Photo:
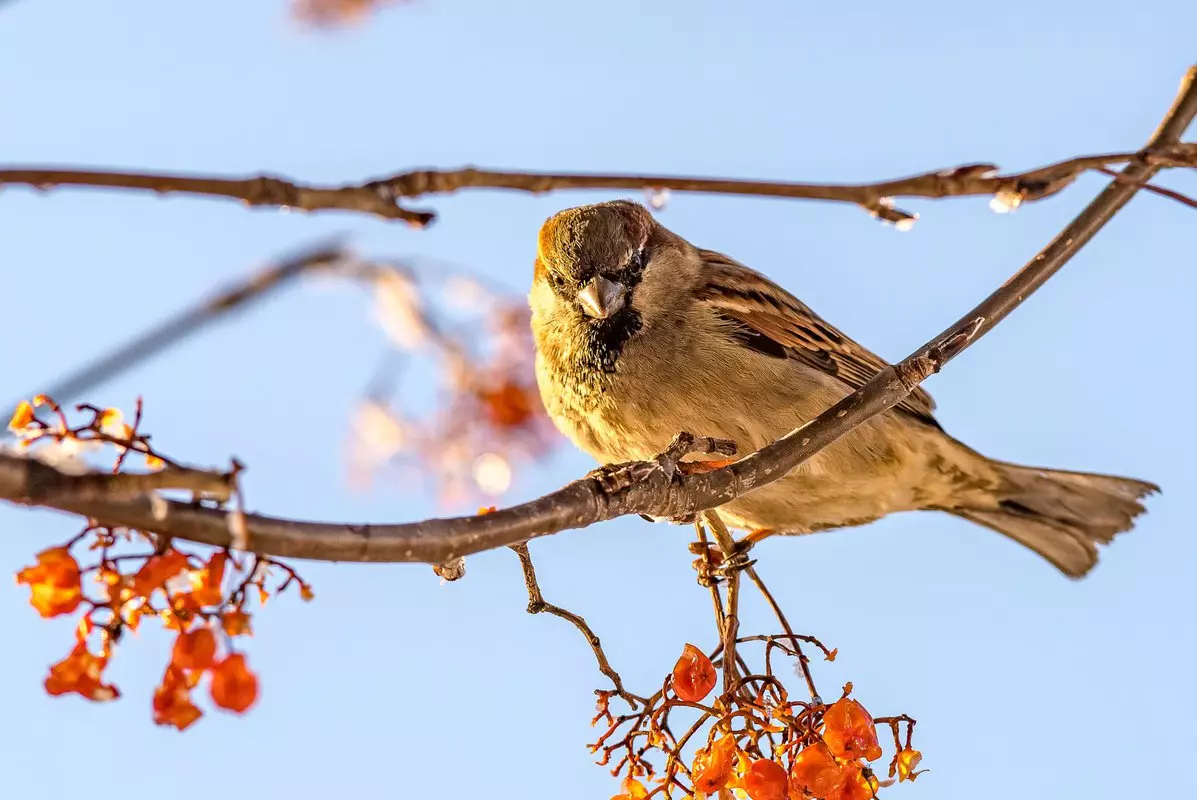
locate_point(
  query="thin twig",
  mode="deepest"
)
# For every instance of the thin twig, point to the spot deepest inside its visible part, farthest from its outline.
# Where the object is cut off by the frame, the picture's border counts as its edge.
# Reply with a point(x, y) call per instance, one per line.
point(785, 624)
point(731, 608)
point(776, 641)
point(1184, 199)
point(585, 502)
point(731, 627)
point(537, 604)
point(380, 197)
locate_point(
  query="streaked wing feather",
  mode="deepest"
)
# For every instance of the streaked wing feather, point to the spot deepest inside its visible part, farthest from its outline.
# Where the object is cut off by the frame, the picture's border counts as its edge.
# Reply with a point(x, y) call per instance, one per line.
point(764, 309)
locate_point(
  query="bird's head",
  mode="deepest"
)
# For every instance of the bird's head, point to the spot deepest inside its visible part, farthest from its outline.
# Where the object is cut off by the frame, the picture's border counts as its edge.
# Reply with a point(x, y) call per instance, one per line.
point(609, 269)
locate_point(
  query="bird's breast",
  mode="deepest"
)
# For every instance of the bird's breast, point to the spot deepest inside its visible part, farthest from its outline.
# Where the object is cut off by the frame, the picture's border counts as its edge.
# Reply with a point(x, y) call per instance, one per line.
point(580, 361)
point(620, 396)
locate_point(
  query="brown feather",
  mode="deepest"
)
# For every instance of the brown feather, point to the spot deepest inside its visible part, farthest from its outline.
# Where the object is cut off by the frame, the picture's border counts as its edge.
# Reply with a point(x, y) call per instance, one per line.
point(738, 292)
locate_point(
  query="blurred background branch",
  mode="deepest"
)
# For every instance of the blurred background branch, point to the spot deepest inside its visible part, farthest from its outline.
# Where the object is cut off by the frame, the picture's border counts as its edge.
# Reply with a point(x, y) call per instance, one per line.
point(488, 417)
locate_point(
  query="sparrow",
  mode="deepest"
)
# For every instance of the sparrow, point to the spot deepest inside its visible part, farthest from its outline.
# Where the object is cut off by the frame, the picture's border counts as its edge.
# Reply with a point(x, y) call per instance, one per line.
point(641, 335)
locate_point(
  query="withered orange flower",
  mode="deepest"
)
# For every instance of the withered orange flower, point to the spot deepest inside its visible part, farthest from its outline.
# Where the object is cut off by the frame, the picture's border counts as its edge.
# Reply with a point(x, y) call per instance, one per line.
point(81, 672)
point(233, 686)
point(182, 611)
point(132, 616)
point(211, 578)
point(194, 650)
point(84, 628)
point(905, 762)
point(112, 423)
point(816, 771)
point(849, 731)
point(54, 583)
point(157, 570)
point(713, 766)
point(172, 699)
point(236, 623)
point(118, 588)
point(693, 675)
point(631, 789)
point(855, 783)
point(766, 780)
point(21, 417)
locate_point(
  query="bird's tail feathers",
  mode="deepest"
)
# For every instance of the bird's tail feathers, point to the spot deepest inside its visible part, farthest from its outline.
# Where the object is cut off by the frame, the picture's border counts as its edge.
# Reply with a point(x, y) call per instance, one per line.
point(1063, 516)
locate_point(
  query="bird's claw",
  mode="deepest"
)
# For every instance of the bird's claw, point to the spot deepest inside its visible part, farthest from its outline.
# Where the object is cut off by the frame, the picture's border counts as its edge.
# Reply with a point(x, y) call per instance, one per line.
point(617, 477)
point(737, 562)
point(614, 478)
point(713, 567)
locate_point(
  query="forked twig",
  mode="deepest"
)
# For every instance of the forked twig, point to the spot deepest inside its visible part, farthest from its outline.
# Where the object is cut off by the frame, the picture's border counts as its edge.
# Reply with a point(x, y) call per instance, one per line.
point(537, 604)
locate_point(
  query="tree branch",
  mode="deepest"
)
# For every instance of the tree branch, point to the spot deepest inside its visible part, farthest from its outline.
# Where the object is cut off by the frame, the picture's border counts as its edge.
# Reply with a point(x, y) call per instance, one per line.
point(381, 197)
point(585, 502)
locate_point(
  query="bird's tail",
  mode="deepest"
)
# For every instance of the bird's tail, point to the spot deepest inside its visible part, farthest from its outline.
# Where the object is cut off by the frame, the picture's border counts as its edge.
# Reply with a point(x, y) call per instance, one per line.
point(1060, 515)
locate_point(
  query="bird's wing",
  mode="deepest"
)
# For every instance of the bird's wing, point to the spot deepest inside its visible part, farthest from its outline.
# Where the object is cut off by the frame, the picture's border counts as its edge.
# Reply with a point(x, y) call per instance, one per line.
point(772, 321)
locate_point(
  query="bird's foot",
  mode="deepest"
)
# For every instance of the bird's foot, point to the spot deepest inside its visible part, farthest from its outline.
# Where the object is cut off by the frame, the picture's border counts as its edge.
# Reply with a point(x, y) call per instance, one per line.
point(713, 566)
point(615, 478)
point(737, 561)
point(704, 566)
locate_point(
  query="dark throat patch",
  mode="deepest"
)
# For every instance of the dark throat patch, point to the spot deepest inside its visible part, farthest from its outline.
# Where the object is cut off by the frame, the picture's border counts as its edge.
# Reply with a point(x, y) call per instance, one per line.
point(606, 338)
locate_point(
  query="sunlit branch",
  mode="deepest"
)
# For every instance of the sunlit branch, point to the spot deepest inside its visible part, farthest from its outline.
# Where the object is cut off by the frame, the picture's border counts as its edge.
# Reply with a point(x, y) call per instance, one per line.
point(660, 493)
point(383, 197)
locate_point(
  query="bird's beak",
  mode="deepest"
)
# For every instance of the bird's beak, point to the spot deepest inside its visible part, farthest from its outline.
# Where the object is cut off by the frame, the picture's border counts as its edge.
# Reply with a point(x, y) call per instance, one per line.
point(601, 298)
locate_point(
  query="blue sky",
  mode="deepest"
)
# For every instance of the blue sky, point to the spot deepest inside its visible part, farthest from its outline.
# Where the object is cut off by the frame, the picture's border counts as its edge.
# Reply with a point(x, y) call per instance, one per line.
point(1021, 680)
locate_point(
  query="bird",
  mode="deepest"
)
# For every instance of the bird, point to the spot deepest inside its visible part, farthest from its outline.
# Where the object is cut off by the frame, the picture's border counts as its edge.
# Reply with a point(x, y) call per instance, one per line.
point(640, 335)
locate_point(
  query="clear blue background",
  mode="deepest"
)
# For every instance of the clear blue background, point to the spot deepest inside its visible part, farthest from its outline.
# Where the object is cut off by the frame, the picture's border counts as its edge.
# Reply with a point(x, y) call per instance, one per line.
point(1023, 682)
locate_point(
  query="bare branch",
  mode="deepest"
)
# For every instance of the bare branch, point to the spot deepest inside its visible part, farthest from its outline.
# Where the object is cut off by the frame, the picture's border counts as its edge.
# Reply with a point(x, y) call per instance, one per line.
point(49, 486)
point(537, 605)
point(264, 190)
point(381, 197)
point(585, 502)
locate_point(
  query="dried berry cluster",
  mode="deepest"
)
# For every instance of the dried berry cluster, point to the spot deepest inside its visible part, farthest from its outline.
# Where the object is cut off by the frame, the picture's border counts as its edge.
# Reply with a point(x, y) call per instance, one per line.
point(758, 742)
point(205, 601)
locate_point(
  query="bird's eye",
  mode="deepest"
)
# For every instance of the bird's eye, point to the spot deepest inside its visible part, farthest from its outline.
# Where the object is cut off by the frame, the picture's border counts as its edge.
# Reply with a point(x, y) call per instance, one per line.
point(636, 264)
point(556, 281)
